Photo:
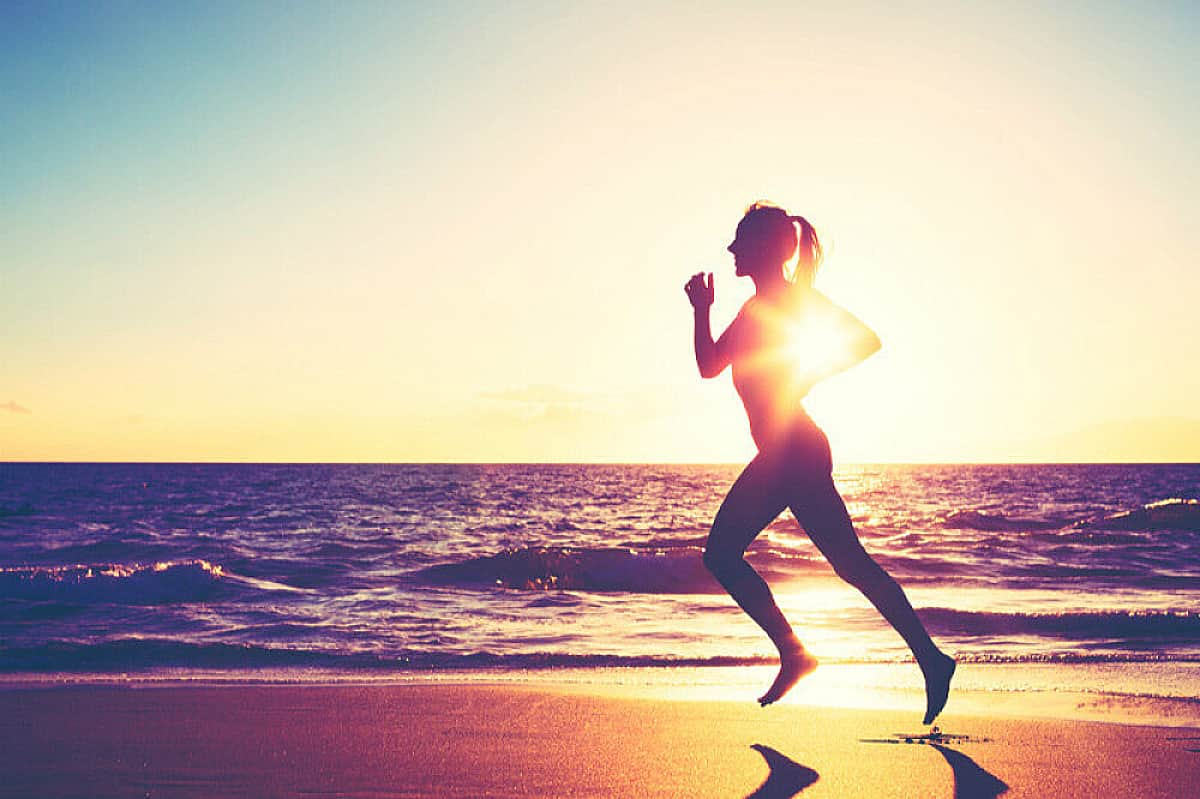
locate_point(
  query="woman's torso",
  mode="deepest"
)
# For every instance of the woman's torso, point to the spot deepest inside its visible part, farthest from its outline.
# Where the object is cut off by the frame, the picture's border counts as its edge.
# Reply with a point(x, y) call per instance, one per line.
point(765, 374)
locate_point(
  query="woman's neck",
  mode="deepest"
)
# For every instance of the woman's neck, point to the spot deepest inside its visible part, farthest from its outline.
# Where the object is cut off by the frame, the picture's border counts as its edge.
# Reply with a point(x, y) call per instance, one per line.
point(770, 284)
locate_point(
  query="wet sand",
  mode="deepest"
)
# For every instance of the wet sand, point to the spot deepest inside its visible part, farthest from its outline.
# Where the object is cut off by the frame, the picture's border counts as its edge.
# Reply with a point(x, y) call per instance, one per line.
point(439, 740)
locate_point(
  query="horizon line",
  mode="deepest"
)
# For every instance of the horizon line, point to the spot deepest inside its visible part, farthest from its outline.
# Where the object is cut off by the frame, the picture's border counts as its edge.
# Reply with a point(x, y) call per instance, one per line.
point(4, 461)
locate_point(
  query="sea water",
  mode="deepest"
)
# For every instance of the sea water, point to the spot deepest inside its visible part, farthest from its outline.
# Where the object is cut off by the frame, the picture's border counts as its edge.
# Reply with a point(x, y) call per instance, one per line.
point(1088, 574)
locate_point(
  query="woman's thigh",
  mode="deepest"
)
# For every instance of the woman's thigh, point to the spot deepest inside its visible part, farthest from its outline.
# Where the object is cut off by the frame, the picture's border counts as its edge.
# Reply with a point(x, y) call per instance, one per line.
point(822, 513)
point(753, 502)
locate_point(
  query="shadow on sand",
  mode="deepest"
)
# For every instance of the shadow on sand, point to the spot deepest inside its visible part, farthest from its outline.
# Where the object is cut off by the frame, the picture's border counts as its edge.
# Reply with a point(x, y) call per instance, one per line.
point(787, 777)
point(971, 781)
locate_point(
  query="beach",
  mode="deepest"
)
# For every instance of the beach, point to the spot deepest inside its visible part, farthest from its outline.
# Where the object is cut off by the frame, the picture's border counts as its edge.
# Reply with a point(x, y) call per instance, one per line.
point(540, 740)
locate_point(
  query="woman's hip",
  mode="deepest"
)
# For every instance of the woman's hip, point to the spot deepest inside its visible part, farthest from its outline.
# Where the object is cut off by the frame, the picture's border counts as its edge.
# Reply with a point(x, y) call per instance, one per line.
point(798, 453)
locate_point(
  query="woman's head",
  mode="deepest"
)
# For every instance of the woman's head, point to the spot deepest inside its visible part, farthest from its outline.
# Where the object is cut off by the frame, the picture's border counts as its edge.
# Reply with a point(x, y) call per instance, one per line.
point(766, 238)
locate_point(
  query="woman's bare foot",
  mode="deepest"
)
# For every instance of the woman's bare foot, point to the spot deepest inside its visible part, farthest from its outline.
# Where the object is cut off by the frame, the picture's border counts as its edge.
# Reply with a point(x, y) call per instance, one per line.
point(937, 685)
point(793, 664)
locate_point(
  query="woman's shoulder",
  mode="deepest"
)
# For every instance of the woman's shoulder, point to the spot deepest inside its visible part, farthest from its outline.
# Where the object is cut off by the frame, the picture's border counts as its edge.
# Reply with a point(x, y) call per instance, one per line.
point(806, 298)
point(748, 309)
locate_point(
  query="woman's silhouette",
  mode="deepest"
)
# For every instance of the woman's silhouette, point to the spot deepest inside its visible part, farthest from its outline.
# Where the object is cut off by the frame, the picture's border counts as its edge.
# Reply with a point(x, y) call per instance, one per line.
point(765, 345)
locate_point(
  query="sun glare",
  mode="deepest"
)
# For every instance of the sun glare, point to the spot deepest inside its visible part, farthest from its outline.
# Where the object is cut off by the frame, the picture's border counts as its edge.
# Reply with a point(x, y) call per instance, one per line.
point(817, 344)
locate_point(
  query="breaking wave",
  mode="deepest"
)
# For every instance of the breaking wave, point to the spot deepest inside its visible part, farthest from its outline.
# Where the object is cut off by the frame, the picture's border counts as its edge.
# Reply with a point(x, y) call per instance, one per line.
point(993, 522)
point(157, 583)
point(137, 654)
point(1167, 514)
point(1177, 625)
point(675, 570)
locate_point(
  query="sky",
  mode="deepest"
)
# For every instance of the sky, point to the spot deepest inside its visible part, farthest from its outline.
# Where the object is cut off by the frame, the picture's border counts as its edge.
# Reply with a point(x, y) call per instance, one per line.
point(460, 231)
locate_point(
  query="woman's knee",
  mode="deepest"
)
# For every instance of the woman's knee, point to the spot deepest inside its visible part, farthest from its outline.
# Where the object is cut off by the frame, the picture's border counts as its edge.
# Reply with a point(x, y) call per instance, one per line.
point(722, 562)
point(714, 559)
point(862, 572)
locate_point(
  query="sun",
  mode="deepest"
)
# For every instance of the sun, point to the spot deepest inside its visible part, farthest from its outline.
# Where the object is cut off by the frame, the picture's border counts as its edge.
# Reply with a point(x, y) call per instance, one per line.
point(817, 344)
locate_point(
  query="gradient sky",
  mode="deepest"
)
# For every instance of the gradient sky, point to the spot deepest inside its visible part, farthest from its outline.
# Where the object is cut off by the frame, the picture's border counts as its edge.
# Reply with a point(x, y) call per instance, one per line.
point(460, 232)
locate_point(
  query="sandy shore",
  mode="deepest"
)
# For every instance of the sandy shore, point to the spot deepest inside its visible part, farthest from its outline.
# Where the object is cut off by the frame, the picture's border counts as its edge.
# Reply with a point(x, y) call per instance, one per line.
point(534, 741)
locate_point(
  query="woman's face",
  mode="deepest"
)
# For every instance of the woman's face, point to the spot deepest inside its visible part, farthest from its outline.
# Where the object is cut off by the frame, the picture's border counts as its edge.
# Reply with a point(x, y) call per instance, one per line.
point(751, 251)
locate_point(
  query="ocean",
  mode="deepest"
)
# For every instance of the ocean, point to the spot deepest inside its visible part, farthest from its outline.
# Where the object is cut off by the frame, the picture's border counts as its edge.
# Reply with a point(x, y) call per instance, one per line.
point(369, 570)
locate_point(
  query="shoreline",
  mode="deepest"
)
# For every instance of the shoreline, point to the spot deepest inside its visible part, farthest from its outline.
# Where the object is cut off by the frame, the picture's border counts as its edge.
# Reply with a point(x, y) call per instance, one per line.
point(1074, 692)
point(537, 740)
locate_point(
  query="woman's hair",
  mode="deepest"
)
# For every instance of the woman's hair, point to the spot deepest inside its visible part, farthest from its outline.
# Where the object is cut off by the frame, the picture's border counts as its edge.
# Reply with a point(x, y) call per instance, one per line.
point(779, 228)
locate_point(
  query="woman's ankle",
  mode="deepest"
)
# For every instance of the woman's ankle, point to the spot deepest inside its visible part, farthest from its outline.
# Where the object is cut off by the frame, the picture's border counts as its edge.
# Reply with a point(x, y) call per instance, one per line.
point(934, 659)
point(790, 646)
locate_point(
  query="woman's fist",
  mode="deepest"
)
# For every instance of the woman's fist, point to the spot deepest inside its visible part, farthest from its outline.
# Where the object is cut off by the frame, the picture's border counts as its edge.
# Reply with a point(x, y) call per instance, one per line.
point(700, 292)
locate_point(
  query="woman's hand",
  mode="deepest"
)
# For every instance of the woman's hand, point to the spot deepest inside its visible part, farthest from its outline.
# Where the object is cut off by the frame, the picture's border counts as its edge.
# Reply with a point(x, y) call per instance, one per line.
point(699, 292)
point(711, 356)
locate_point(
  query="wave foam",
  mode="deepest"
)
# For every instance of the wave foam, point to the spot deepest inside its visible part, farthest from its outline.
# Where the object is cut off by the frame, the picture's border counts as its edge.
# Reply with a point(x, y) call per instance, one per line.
point(156, 583)
point(1167, 514)
point(138, 654)
point(1178, 625)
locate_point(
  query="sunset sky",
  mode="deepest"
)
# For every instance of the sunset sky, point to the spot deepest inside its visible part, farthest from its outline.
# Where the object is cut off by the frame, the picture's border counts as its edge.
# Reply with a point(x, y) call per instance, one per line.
point(460, 232)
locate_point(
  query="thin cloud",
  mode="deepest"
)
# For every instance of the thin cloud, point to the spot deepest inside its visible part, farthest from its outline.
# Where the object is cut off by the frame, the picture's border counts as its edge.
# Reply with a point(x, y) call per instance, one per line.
point(545, 400)
point(13, 407)
point(536, 393)
point(540, 404)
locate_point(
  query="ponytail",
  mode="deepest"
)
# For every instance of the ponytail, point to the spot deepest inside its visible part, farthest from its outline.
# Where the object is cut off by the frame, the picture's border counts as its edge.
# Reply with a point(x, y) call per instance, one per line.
point(808, 252)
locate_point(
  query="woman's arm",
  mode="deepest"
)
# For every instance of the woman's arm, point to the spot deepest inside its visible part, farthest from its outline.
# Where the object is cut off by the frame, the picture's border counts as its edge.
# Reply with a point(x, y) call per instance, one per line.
point(855, 341)
point(711, 356)
point(861, 341)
